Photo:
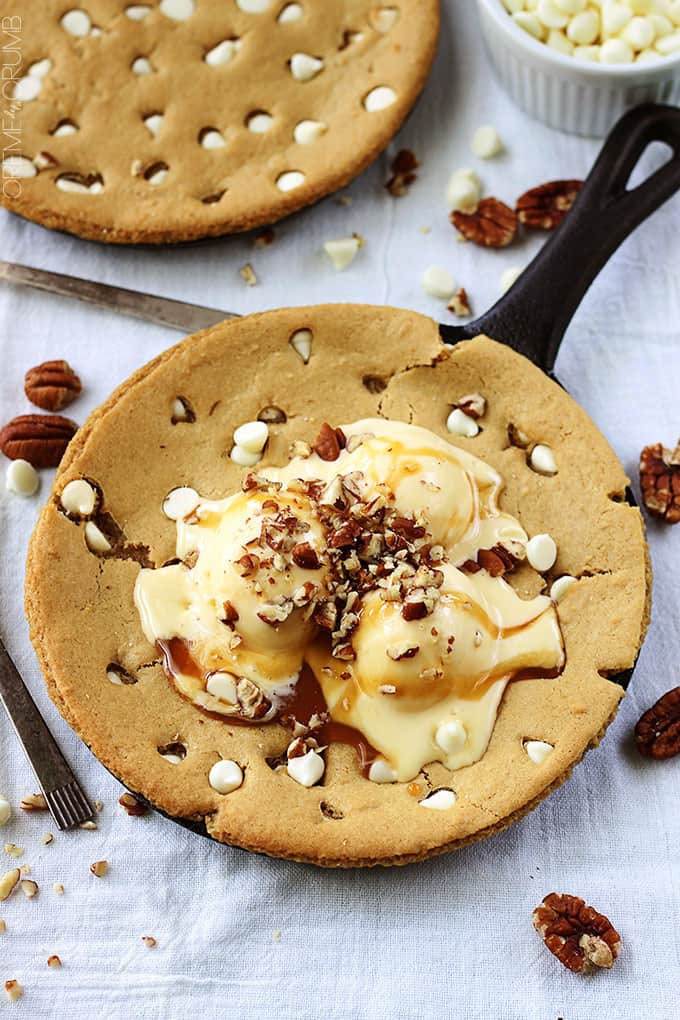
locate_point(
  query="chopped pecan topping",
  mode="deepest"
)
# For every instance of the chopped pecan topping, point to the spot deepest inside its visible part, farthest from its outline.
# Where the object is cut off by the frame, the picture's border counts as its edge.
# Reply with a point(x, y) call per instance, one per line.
point(403, 651)
point(404, 166)
point(329, 442)
point(305, 556)
point(498, 560)
point(660, 481)
point(252, 701)
point(248, 564)
point(576, 934)
point(275, 613)
point(459, 304)
point(230, 612)
point(657, 732)
point(493, 225)
point(544, 207)
point(414, 611)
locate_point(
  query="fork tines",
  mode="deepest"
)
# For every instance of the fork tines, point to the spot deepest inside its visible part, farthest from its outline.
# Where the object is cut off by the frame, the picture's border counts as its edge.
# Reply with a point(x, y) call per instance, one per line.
point(68, 805)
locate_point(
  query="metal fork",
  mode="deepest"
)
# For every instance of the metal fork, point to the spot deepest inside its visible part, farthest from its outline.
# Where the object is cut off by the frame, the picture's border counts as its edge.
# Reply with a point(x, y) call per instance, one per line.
point(65, 799)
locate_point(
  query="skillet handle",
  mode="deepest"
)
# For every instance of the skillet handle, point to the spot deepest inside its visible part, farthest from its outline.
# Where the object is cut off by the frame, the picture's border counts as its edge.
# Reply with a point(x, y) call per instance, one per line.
point(532, 317)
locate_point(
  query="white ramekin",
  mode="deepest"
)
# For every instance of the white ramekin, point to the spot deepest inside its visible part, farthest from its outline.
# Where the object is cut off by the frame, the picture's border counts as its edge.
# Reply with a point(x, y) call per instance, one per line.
point(572, 95)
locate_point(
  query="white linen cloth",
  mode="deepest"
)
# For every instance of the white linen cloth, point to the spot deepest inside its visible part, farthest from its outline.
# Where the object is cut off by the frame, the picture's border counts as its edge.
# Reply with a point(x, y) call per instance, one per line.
point(451, 937)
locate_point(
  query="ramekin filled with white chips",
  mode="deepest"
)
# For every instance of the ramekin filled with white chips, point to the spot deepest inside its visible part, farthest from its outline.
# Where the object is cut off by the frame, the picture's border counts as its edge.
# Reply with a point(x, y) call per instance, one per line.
point(577, 65)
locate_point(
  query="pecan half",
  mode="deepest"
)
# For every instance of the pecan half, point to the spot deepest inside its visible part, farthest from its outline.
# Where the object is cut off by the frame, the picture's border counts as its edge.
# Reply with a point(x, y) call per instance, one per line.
point(660, 481)
point(52, 385)
point(404, 166)
point(657, 732)
point(580, 937)
point(493, 225)
point(41, 439)
point(329, 442)
point(544, 207)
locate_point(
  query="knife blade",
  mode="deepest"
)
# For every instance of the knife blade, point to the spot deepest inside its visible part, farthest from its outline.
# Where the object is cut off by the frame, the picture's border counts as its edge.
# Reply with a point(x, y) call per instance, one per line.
point(179, 315)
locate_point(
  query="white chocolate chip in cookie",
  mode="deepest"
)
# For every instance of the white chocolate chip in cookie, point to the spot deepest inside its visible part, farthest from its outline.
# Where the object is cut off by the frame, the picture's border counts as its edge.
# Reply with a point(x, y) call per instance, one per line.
point(309, 131)
point(225, 776)
point(538, 750)
point(180, 502)
point(259, 122)
point(40, 68)
point(342, 251)
point(486, 142)
point(18, 166)
point(222, 685)
point(290, 13)
point(140, 65)
point(439, 800)
point(253, 6)
point(451, 736)
point(211, 138)
point(223, 53)
point(304, 67)
point(382, 19)
point(379, 98)
point(78, 498)
point(542, 460)
point(27, 89)
point(22, 478)
point(154, 123)
point(438, 282)
point(561, 586)
point(137, 12)
point(290, 180)
point(243, 458)
point(307, 769)
point(252, 436)
point(541, 552)
point(177, 10)
point(461, 424)
point(96, 540)
point(77, 23)
point(382, 772)
point(301, 342)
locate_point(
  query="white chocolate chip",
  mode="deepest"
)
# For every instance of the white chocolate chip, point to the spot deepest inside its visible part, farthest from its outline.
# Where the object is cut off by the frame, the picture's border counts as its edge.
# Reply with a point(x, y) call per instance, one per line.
point(303, 67)
point(259, 122)
point(616, 51)
point(558, 41)
point(669, 44)
point(157, 176)
point(542, 460)
point(225, 776)
point(590, 53)
point(180, 502)
point(174, 759)
point(464, 191)
point(177, 10)
point(27, 89)
point(550, 15)
point(154, 122)
point(647, 56)
point(78, 186)
point(224, 52)
point(461, 424)
point(561, 586)
point(5, 811)
point(381, 772)
point(301, 342)
point(639, 33)
point(243, 458)
point(253, 6)
point(78, 497)
point(584, 28)
point(530, 23)
point(223, 686)
point(379, 98)
point(486, 142)
point(64, 128)
point(541, 552)
point(570, 6)
point(96, 540)
point(18, 166)
point(211, 139)
point(307, 769)
point(114, 676)
point(451, 736)
point(290, 13)
point(252, 436)
point(438, 282)
point(22, 478)
point(510, 276)
point(140, 65)
point(538, 750)
point(382, 19)
point(40, 68)
point(309, 131)
point(614, 17)
point(440, 800)
point(342, 251)
point(76, 22)
point(290, 180)
point(137, 12)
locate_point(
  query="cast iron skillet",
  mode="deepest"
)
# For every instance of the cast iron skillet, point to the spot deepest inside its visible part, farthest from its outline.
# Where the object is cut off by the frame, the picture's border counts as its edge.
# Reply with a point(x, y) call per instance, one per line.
point(533, 315)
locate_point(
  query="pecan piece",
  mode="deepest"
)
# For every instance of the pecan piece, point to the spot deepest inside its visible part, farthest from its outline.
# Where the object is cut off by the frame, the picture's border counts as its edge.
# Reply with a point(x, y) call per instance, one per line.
point(329, 442)
point(131, 805)
point(230, 612)
point(660, 481)
point(305, 556)
point(52, 385)
point(498, 560)
point(404, 166)
point(579, 936)
point(473, 404)
point(493, 225)
point(544, 207)
point(657, 732)
point(41, 439)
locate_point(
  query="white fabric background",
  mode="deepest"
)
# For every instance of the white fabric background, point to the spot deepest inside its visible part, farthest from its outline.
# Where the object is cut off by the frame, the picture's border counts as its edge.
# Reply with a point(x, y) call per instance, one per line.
point(448, 938)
